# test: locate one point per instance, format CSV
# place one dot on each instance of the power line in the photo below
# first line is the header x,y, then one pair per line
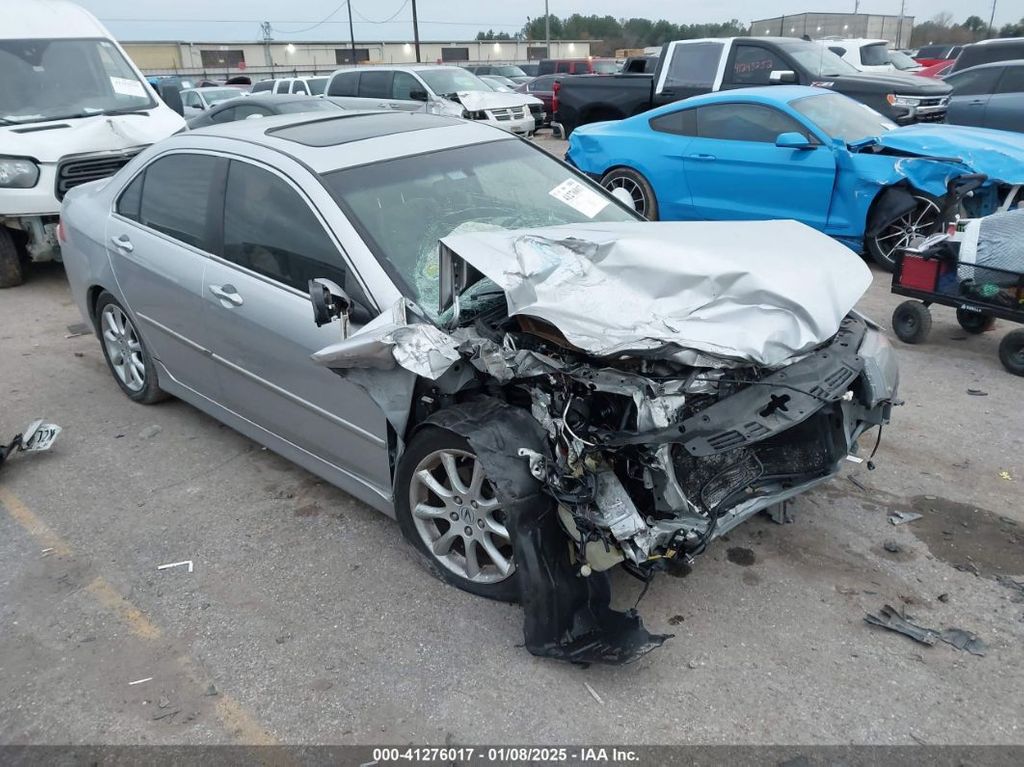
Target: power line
x,y
388,20
489,24
314,26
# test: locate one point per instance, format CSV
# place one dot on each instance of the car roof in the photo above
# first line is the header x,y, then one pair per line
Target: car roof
x,y
327,142
853,40
269,99
991,64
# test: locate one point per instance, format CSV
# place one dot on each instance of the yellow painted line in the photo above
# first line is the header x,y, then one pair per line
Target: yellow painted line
x,y
33,524
111,599
232,714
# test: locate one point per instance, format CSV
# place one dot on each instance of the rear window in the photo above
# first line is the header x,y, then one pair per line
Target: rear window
x,y
344,84
693,65
875,55
265,85
317,85
933,52
605,67
989,52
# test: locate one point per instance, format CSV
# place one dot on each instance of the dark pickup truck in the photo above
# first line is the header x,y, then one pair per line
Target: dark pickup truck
x,y
691,67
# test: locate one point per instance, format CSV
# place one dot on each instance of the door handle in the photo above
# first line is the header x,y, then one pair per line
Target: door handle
x,y
702,156
977,101
227,293
123,243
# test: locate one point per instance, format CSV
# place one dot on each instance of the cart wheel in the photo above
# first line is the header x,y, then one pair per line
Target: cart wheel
x,y
912,322
975,322
1011,352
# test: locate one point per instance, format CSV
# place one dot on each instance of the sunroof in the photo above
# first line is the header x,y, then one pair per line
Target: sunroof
x,y
344,129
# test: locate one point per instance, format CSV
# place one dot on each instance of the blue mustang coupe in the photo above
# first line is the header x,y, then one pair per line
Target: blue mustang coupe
x,y
807,154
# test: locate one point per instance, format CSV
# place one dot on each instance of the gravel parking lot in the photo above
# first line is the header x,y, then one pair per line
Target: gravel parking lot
x,y
307,619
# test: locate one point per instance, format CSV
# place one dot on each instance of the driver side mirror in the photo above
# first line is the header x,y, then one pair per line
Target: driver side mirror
x,y
418,94
782,76
331,302
793,140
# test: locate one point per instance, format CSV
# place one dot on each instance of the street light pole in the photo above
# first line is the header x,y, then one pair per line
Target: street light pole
x,y
547,30
991,19
352,33
416,31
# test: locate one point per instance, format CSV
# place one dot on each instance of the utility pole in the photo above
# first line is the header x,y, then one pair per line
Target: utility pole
x,y
416,31
352,33
991,20
547,30
265,30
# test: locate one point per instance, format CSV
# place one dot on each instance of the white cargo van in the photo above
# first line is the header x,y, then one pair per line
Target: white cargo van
x,y
73,109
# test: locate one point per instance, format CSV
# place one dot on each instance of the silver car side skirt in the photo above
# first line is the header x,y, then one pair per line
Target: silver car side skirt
x,y
371,494
369,436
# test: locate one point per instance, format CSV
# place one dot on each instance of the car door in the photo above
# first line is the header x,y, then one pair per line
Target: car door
x,y
159,237
734,170
1005,108
261,320
191,103
971,92
402,87
375,88
344,90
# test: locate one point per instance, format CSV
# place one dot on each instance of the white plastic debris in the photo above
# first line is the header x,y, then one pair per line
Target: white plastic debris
x,y
186,563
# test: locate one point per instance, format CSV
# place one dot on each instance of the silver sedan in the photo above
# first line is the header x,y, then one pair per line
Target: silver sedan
x,y
338,289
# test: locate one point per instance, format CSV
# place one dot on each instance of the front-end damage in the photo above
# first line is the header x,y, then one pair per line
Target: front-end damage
x,y
634,392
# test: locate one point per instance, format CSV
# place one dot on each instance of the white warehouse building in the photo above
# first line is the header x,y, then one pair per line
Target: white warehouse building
x,y
217,59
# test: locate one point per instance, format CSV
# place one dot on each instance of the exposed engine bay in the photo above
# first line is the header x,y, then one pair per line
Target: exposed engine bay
x,y
644,448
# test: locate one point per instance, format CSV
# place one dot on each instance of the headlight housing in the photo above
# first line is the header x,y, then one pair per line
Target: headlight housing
x,y
18,173
896,100
477,115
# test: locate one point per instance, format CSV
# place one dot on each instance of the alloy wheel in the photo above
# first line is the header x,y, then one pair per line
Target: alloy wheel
x,y
902,232
123,347
459,518
634,189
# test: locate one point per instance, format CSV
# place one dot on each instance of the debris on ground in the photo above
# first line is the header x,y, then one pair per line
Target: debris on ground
x,y
211,690
37,437
78,329
186,563
150,431
857,483
903,517
593,693
964,640
977,392
967,567
944,597
141,681
1005,475
1015,585
889,618
893,547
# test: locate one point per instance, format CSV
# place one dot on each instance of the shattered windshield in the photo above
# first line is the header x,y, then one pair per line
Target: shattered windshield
x,y
404,206
841,117
61,79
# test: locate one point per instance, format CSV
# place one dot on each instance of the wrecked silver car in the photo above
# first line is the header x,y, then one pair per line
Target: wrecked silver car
x,y
539,385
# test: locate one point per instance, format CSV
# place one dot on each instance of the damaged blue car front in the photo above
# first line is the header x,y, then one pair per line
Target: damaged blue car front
x,y
802,153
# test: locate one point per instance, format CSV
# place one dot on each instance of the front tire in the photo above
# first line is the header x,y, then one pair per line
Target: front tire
x,y
912,322
923,220
644,201
12,271
448,510
127,356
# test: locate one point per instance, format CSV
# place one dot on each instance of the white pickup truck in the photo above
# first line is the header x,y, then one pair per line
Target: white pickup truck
x,y
73,109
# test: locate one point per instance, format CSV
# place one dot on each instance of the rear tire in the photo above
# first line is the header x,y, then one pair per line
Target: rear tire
x,y
644,201
912,322
1011,352
975,322
435,512
125,352
12,271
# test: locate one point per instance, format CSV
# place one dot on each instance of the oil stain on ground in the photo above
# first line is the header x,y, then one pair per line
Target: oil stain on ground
x,y
960,534
740,556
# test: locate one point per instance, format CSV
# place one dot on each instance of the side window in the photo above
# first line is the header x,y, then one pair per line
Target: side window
x,y
344,84
693,65
300,87
131,197
403,85
840,52
977,83
191,99
563,66
1012,80
175,199
224,116
682,123
282,86
375,85
271,229
263,85
744,122
752,65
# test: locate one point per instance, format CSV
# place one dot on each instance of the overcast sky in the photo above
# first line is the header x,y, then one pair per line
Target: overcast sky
x,y
202,20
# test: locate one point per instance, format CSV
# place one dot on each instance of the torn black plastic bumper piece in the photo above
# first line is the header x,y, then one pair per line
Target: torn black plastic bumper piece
x,y
566,616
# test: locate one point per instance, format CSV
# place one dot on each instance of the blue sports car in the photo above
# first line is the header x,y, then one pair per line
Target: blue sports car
x,y
802,153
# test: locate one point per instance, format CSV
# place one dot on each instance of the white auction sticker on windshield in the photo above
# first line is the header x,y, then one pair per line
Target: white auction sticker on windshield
x,y
127,87
577,196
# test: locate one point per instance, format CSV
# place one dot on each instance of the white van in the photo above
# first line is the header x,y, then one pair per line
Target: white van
x,y
73,109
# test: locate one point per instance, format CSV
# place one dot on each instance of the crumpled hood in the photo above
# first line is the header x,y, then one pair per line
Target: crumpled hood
x,y
998,154
83,135
476,100
756,292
